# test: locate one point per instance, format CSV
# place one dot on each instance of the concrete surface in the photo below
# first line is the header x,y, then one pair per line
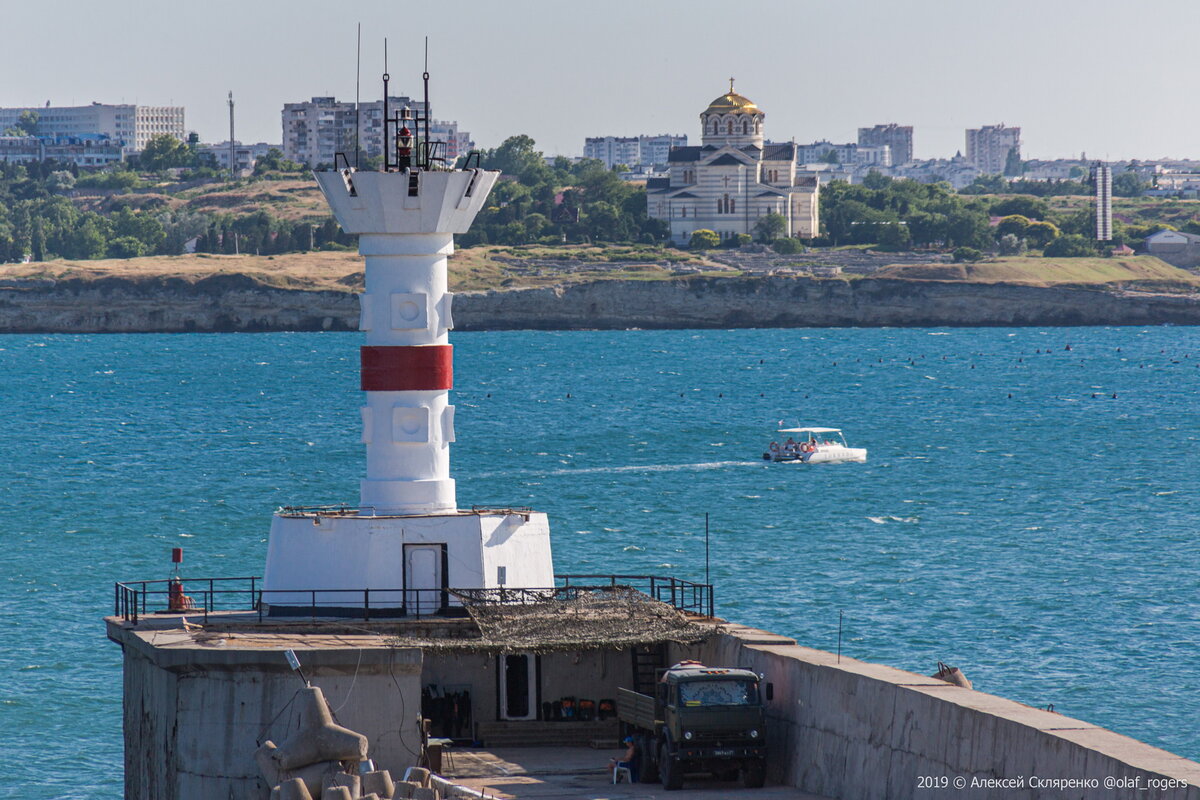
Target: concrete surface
x,y
580,773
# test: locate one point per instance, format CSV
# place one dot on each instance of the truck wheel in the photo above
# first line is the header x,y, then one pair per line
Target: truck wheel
x,y
669,770
754,775
649,771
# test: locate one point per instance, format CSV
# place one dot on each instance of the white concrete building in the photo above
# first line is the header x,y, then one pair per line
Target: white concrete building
x,y
632,151
316,131
613,150
245,155
96,151
733,179
989,147
899,138
131,125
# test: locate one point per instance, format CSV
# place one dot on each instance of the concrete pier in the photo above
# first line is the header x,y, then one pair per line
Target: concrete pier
x,y
198,702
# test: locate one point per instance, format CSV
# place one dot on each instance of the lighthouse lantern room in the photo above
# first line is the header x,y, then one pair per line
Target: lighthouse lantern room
x,y
407,543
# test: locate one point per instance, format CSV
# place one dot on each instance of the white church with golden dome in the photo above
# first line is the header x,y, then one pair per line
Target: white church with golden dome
x,y
732,179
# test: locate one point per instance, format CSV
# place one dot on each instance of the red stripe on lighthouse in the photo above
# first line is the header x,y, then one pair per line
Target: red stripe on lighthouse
x,y
407,369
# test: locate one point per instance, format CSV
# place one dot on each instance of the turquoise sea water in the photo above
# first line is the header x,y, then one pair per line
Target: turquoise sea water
x,y
1046,542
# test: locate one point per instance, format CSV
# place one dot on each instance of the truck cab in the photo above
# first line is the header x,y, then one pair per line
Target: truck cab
x,y
705,719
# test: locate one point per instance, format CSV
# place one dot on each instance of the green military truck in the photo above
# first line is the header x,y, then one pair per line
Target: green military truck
x,y
701,719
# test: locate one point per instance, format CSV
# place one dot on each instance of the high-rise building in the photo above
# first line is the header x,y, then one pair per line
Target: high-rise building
x,y
1102,175
991,147
632,151
316,131
898,137
130,125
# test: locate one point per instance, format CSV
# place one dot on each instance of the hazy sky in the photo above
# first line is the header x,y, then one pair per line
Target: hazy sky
x,y
1105,77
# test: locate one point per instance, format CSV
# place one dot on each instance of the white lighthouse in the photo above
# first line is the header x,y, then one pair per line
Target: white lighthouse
x,y
407,542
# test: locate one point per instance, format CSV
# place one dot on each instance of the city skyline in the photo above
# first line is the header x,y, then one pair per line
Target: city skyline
x,y
563,73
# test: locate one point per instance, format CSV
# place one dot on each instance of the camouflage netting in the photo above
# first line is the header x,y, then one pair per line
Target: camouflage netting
x,y
611,617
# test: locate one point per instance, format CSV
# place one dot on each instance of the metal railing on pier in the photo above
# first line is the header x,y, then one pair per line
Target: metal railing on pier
x,y
201,596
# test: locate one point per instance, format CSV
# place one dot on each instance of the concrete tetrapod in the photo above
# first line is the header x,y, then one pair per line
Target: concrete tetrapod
x,y
318,737
294,790
379,782
343,780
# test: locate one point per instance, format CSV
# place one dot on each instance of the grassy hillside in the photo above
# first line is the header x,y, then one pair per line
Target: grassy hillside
x,y
1143,272
474,268
293,199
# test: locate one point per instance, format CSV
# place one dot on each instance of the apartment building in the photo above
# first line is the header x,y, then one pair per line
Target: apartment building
x,y
989,148
632,151
898,138
130,125
96,151
849,154
314,132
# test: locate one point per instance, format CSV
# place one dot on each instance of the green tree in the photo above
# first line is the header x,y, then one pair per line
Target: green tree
x,y
27,124
1128,184
1041,233
60,181
1014,224
787,246
895,236
770,227
1012,162
986,184
126,247
830,157
518,157
704,239
1026,206
966,254
1011,245
1070,246
874,180
164,151
87,241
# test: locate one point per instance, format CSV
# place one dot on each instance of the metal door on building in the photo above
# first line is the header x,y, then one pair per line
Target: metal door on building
x,y
424,578
518,686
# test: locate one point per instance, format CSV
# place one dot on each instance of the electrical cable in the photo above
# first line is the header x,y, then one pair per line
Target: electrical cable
x,y
349,691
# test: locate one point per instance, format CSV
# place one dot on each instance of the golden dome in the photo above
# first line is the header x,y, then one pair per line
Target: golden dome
x,y
732,103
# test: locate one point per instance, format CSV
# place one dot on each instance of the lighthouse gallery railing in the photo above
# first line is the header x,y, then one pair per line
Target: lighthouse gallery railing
x,y
200,596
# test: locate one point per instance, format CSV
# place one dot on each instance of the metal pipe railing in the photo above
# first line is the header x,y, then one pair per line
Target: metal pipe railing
x,y
136,599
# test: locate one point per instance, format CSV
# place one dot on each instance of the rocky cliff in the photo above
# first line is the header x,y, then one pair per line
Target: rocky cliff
x,y
241,303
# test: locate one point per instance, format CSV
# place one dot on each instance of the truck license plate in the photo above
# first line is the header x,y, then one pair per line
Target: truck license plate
x,y
722,752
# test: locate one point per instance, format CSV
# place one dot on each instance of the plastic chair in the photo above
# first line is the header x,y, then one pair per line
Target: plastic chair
x,y
619,771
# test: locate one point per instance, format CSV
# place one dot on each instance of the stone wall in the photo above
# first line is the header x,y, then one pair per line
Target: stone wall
x,y
857,731
195,713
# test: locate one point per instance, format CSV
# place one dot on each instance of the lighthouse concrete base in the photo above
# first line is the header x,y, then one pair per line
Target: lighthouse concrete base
x,y
401,565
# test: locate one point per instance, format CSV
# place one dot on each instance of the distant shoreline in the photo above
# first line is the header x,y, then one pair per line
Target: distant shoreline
x,y
241,303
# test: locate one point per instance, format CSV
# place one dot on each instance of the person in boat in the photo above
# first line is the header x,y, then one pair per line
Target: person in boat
x,y
789,447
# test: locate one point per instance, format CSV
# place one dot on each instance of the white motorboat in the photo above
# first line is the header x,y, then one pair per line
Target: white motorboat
x,y
814,446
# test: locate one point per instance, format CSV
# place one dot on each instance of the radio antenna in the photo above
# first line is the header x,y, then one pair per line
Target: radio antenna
x,y
425,77
357,84
387,142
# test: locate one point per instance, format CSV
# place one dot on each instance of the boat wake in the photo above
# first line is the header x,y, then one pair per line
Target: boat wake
x,y
657,467
706,465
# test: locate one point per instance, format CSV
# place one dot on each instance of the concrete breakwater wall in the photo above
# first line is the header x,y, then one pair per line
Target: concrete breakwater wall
x,y
851,730
241,303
